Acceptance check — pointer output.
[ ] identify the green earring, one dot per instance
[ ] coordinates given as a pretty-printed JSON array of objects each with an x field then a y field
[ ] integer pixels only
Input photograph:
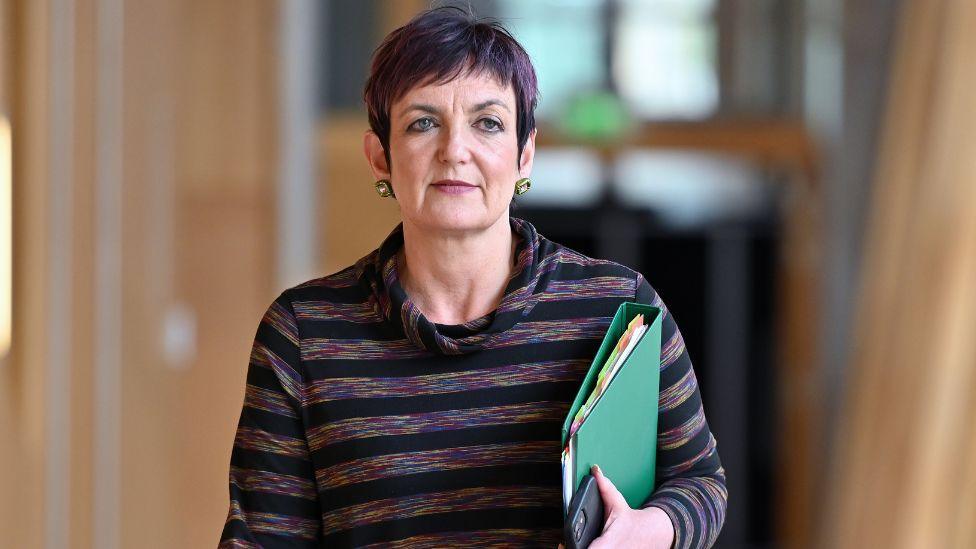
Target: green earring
[
  {"x": 384, "y": 189},
  {"x": 522, "y": 185}
]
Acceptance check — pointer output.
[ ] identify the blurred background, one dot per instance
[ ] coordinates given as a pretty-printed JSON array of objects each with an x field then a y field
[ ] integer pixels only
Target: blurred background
[{"x": 797, "y": 178}]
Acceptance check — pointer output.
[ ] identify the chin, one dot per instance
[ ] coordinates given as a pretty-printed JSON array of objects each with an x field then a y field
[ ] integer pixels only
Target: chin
[{"x": 461, "y": 219}]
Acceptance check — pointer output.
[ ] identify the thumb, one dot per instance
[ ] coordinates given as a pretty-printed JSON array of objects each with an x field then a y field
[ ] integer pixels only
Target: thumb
[{"x": 612, "y": 498}]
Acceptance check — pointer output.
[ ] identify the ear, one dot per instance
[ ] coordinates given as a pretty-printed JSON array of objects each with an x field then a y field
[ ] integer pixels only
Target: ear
[
  {"x": 528, "y": 154},
  {"x": 374, "y": 155}
]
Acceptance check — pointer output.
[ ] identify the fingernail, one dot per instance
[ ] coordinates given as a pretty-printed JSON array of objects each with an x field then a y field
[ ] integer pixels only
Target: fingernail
[{"x": 596, "y": 469}]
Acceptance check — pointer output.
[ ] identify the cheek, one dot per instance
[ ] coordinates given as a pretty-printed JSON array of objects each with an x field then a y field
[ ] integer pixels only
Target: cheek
[
  {"x": 500, "y": 160},
  {"x": 497, "y": 148},
  {"x": 409, "y": 156}
]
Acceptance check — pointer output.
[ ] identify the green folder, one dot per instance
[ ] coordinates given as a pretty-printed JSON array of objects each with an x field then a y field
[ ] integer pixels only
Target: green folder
[{"x": 620, "y": 432}]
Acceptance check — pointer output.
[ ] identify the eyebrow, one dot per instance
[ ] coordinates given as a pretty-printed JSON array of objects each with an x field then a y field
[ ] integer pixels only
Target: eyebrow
[{"x": 479, "y": 107}]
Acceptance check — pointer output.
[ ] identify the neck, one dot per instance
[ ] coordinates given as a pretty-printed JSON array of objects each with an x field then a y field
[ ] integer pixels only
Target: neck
[{"x": 456, "y": 277}]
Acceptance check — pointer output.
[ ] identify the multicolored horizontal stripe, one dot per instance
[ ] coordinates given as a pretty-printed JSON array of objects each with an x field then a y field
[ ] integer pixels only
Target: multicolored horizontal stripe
[
  {"x": 263, "y": 441},
  {"x": 359, "y": 349},
  {"x": 677, "y": 393},
  {"x": 680, "y": 435},
  {"x": 426, "y": 422},
  {"x": 359, "y": 313},
  {"x": 549, "y": 331},
  {"x": 501, "y": 538},
  {"x": 272, "y": 483},
  {"x": 445, "y": 459},
  {"x": 344, "y": 388},
  {"x": 470, "y": 499}
]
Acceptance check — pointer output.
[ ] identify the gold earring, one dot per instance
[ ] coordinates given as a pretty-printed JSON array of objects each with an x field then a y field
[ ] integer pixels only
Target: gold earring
[
  {"x": 522, "y": 185},
  {"x": 384, "y": 189}
]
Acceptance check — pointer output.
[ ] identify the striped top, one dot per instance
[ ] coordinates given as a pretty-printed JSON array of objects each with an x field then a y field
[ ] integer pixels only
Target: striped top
[{"x": 365, "y": 424}]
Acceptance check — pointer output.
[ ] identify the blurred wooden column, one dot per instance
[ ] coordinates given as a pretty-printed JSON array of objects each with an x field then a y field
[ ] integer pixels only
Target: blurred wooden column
[
  {"x": 799, "y": 388},
  {"x": 145, "y": 150},
  {"x": 46, "y": 462},
  {"x": 200, "y": 156},
  {"x": 22, "y": 467},
  {"x": 905, "y": 468}
]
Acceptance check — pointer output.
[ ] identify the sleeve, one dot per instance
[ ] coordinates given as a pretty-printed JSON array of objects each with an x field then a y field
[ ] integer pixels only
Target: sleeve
[
  {"x": 273, "y": 497},
  {"x": 690, "y": 478}
]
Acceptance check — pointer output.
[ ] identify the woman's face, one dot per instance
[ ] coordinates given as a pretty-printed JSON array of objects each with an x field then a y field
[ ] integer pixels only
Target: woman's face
[{"x": 463, "y": 130}]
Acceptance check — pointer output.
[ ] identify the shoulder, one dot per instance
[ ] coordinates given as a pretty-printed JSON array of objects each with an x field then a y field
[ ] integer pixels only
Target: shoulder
[
  {"x": 568, "y": 264},
  {"x": 352, "y": 276},
  {"x": 339, "y": 294}
]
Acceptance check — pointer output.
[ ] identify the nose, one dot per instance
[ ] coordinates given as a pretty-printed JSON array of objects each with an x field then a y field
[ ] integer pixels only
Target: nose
[{"x": 454, "y": 146}]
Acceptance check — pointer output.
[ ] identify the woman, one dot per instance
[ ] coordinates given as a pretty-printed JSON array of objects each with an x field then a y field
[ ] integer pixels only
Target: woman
[{"x": 416, "y": 397}]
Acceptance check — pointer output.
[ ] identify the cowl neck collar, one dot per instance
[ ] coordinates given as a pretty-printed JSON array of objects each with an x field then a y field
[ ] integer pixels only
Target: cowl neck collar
[{"x": 453, "y": 339}]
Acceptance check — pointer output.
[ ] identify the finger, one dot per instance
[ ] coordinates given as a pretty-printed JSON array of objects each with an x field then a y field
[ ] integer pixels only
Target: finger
[
  {"x": 612, "y": 498},
  {"x": 560, "y": 546}
]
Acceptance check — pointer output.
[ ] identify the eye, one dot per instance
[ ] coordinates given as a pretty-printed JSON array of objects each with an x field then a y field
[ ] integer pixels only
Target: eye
[
  {"x": 422, "y": 124},
  {"x": 491, "y": 125}
]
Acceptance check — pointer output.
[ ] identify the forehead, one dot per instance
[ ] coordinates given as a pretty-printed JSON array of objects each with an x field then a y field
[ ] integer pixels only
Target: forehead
[{"x": 468, "y": 89}]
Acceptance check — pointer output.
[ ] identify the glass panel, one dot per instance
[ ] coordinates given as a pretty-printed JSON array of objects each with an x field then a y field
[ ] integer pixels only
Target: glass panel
[
  {"x": 350, "y": 33},
  {"x": 564, "y": 38},
  {"x": 666, "y": 58},
  {"x": 567, "y": 177},
  {"x": 689, "y": 188}
]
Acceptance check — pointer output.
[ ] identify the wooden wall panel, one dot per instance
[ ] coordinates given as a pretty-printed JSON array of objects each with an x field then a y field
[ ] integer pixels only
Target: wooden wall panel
[
  {"x": 905, "y": 463},
  {"x": 83, "y": 279},
  {"x": 205, "y": 73},
  {"x": 355, "y": 218},
  {"x": 198, "y": 163},
  {"x": 22, "y": 388}
]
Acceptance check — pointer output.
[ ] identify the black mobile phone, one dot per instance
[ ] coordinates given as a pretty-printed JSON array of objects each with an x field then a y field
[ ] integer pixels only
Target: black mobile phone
[{"x": 584, "y": 521}]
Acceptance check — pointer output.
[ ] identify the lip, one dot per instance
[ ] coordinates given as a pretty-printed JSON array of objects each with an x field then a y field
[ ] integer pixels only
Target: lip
[
  {"x": 454, "y": 186},
  {"x": 453, "y": 183}
]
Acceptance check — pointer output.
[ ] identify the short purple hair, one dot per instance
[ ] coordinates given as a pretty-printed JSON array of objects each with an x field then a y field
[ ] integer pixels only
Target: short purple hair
[{"x": 433, "y": 48}]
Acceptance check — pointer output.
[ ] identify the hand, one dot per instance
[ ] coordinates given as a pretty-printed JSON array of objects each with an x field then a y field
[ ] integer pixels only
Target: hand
[{"x": 625, "y": 527}]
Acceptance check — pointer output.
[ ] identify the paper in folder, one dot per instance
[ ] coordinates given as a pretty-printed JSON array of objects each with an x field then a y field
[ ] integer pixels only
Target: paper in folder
[{"x": 613, "y": 420}]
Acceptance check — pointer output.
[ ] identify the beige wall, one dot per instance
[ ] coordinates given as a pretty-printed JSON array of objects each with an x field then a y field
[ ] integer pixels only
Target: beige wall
[
  {"x": 354, "y": 218},
  {"x": 190, "y": 87},
  {"x": 22, "y": 395}
]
